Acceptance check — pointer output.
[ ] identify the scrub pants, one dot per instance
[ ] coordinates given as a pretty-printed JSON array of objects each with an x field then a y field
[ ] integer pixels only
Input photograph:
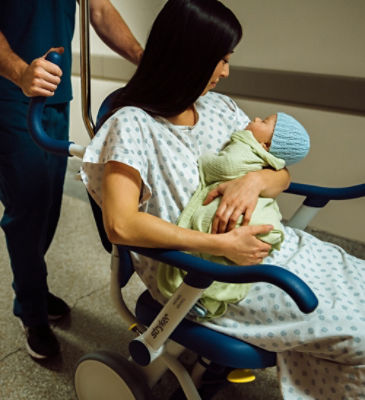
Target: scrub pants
[{"x": 31, "y": 185}]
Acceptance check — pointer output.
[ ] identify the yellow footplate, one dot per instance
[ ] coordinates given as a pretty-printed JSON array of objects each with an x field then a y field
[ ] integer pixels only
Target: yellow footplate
[
  {"x": 132, "y": 327},
  {"x": 241, "y": 376}
]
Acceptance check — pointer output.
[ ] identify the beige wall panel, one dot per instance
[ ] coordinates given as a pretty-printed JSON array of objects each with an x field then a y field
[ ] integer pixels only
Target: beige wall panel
[{"x": 319, "y": 36}]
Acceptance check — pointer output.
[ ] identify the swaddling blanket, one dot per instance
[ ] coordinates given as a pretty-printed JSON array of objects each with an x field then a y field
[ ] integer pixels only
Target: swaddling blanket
[{"x": 243, "y": 154}]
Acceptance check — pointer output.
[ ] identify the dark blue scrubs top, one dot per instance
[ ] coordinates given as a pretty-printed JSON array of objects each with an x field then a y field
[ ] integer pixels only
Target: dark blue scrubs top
[{"x": 32, "y": 27}]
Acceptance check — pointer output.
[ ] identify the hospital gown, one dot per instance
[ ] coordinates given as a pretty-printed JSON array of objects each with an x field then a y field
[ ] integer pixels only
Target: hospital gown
[{"x": 320, "y": 355}]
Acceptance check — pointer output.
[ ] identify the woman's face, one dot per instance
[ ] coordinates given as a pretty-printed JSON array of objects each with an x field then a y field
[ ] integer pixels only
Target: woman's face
[{"x": 221, "y": 71}]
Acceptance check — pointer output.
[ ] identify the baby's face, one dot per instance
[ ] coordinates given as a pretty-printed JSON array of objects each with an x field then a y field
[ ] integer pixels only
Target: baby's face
[{"x": 263, "y": 130}]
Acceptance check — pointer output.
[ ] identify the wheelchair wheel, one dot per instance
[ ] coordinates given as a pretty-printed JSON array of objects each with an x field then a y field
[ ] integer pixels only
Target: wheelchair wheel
[{"x": 108, "y": 376}]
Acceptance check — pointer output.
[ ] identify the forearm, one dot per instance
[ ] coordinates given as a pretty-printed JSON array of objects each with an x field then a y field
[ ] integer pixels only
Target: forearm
[
  {"x": 271, "y": 182},
  {"x": 125, "y": 224},
  {"x": 12, "y": 66},
  {"x": 39, "y": 78},
  {"x": 132, "y": 231},
  {"x": 113, "y": 30},
  {"x": 144, "y": 230}
]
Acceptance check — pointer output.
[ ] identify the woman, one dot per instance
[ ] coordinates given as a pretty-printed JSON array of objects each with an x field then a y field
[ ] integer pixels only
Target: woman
[{"x": 141, "y": 168}]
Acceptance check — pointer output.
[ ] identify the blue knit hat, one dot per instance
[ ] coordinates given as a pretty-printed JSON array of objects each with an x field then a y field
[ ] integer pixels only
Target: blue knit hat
[{"x": 290, "y": 140}]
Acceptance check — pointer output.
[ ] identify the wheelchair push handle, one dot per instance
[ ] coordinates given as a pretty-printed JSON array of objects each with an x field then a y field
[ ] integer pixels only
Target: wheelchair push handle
[
  {"x": 36, "y": 130},
  {"x": 54, "y": 57}
]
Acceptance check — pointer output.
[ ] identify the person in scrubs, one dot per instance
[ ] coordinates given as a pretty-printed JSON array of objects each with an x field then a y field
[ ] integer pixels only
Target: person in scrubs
[{"x": 31, "y": 180}]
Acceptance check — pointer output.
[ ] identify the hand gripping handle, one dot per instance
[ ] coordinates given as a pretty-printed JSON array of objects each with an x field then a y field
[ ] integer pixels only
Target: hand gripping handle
[{"x": 35, "y": 113}]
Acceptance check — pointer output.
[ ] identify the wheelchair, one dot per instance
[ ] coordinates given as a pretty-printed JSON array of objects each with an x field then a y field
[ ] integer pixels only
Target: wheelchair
[{"x": 163, "y": 332}]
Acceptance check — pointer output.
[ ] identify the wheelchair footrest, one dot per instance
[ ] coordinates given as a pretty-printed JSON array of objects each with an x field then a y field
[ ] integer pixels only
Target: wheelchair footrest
[{"x": 241, "y": 376}]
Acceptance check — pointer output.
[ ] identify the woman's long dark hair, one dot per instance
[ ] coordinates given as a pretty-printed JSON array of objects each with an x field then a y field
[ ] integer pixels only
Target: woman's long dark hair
[{"x": 187, "y": 40}]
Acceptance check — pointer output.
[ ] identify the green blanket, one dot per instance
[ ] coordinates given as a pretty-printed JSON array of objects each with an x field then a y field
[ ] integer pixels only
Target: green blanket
[{"x": 242, "y": 155}]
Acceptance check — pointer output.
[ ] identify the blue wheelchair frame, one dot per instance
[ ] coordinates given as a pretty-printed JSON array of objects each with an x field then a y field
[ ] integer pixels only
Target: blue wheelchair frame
[{"x": 151, "y": 346}]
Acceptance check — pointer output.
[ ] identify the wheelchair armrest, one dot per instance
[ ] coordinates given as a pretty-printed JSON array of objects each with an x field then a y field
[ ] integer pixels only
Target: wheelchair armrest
[
  {"x": 318, "y": 196},
  {"x": 202, "y": 272}
]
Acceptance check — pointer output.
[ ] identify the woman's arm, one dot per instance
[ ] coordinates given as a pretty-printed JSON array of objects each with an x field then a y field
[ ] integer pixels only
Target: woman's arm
[
  {"x": 239, "y": 196},
  {"x": 125, "y": 224}
]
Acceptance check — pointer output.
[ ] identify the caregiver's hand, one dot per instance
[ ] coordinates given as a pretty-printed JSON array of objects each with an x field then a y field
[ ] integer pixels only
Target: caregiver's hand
[
  {"x": 239, "y": 196},
  {"x": 243, "y": 248},
  {"x": 41, "y": 77}
]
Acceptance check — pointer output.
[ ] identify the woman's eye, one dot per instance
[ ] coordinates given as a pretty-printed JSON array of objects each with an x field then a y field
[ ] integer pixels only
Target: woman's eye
[{"x": 224, "y": 61}]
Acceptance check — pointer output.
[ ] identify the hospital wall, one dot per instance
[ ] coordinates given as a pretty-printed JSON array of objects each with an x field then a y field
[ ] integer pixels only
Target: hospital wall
[{"x": 312, "y": 37}]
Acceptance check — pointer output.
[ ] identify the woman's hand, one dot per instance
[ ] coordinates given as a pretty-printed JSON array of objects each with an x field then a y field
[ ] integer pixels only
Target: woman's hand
[
  {"x": 242, "y": 246},
  {"x": 239, "y": 197}
]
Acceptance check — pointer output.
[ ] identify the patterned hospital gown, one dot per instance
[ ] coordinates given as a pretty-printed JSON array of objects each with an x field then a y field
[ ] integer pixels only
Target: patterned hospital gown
[{"x": 320, "y": 355}]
